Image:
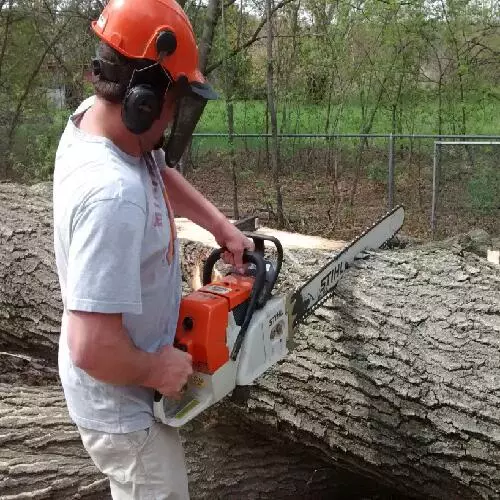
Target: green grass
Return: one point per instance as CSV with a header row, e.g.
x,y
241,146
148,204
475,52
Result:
x,y
483,189
250,117
37,137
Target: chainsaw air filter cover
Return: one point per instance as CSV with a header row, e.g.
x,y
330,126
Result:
x,y
203,321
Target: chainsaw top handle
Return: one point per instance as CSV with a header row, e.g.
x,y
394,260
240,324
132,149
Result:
x,y
258,287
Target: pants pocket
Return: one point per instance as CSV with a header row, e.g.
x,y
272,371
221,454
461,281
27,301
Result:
x,y
117,455
133,440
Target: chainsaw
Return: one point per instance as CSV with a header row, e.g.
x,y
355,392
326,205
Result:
x,y
235,328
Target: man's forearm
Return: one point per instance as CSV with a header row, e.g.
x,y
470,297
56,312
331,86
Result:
x,y
111,357
188,202
122,365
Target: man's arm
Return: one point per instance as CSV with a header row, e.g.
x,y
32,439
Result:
x,y
188,202
100,346
103,282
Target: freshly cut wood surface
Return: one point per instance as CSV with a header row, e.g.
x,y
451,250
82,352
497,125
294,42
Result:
x,y
190,231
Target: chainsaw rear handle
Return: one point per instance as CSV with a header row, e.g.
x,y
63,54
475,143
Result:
x,y
258,286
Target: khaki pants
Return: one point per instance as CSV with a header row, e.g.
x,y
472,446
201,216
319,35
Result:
x,y
142,465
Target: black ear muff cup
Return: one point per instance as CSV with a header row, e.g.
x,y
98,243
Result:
x,y
141,107
143,102
166,43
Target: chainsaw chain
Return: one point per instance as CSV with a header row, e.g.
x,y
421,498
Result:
x,y
310,311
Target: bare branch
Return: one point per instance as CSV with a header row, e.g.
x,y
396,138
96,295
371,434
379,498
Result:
x,y
251,40
29,84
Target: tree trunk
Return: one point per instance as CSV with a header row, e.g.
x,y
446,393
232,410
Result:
x,y
207,37
275,153
29,289
41,456
396,378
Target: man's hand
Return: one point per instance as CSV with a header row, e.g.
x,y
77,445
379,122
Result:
x,y
99,345
170,372
230,237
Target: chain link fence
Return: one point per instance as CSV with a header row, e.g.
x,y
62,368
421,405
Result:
x,y
334,185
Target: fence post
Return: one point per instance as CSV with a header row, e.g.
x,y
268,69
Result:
x,y
390,179
435,181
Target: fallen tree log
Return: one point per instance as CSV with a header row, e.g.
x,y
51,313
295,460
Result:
x,y
396,379
41,456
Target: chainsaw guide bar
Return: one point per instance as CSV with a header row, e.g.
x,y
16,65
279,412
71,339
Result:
x,y
312,294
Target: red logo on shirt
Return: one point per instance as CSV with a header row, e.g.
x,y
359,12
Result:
x,y
158,220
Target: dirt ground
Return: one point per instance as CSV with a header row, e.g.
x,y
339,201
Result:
x,y
316,203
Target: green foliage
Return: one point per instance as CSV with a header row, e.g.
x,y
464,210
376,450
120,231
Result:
x,y
35,146
377,172
402,67
250,117
43,48
484,189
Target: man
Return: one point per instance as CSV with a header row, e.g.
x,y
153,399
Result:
x,y
116,252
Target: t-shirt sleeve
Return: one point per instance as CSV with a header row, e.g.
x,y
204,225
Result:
x,y
104,261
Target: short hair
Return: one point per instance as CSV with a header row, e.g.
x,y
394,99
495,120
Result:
x,y
114,91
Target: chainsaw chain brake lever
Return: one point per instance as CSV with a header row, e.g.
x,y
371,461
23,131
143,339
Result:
x,y
258,286
274,269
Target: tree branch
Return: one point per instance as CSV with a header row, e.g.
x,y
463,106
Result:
x,y
28,86
251,40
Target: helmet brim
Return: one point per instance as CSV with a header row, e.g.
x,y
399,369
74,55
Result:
x,y
204,90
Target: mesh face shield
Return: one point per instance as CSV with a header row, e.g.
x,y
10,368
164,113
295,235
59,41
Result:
x,y
189,108
188,112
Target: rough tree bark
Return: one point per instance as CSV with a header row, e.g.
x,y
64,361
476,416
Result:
x,y
41,456
396,379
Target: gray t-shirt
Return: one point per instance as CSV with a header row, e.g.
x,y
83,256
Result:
x,y
111,234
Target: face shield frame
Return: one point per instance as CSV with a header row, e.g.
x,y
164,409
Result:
x,y
191,99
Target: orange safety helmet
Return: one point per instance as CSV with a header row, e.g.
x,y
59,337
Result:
x,y
158,30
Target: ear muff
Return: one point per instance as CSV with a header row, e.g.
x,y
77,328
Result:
x,y
141,107
166,43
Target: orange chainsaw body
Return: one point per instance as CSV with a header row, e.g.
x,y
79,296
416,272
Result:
x,y
203,321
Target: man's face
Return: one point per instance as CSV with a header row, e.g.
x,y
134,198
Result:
x,y
154,136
